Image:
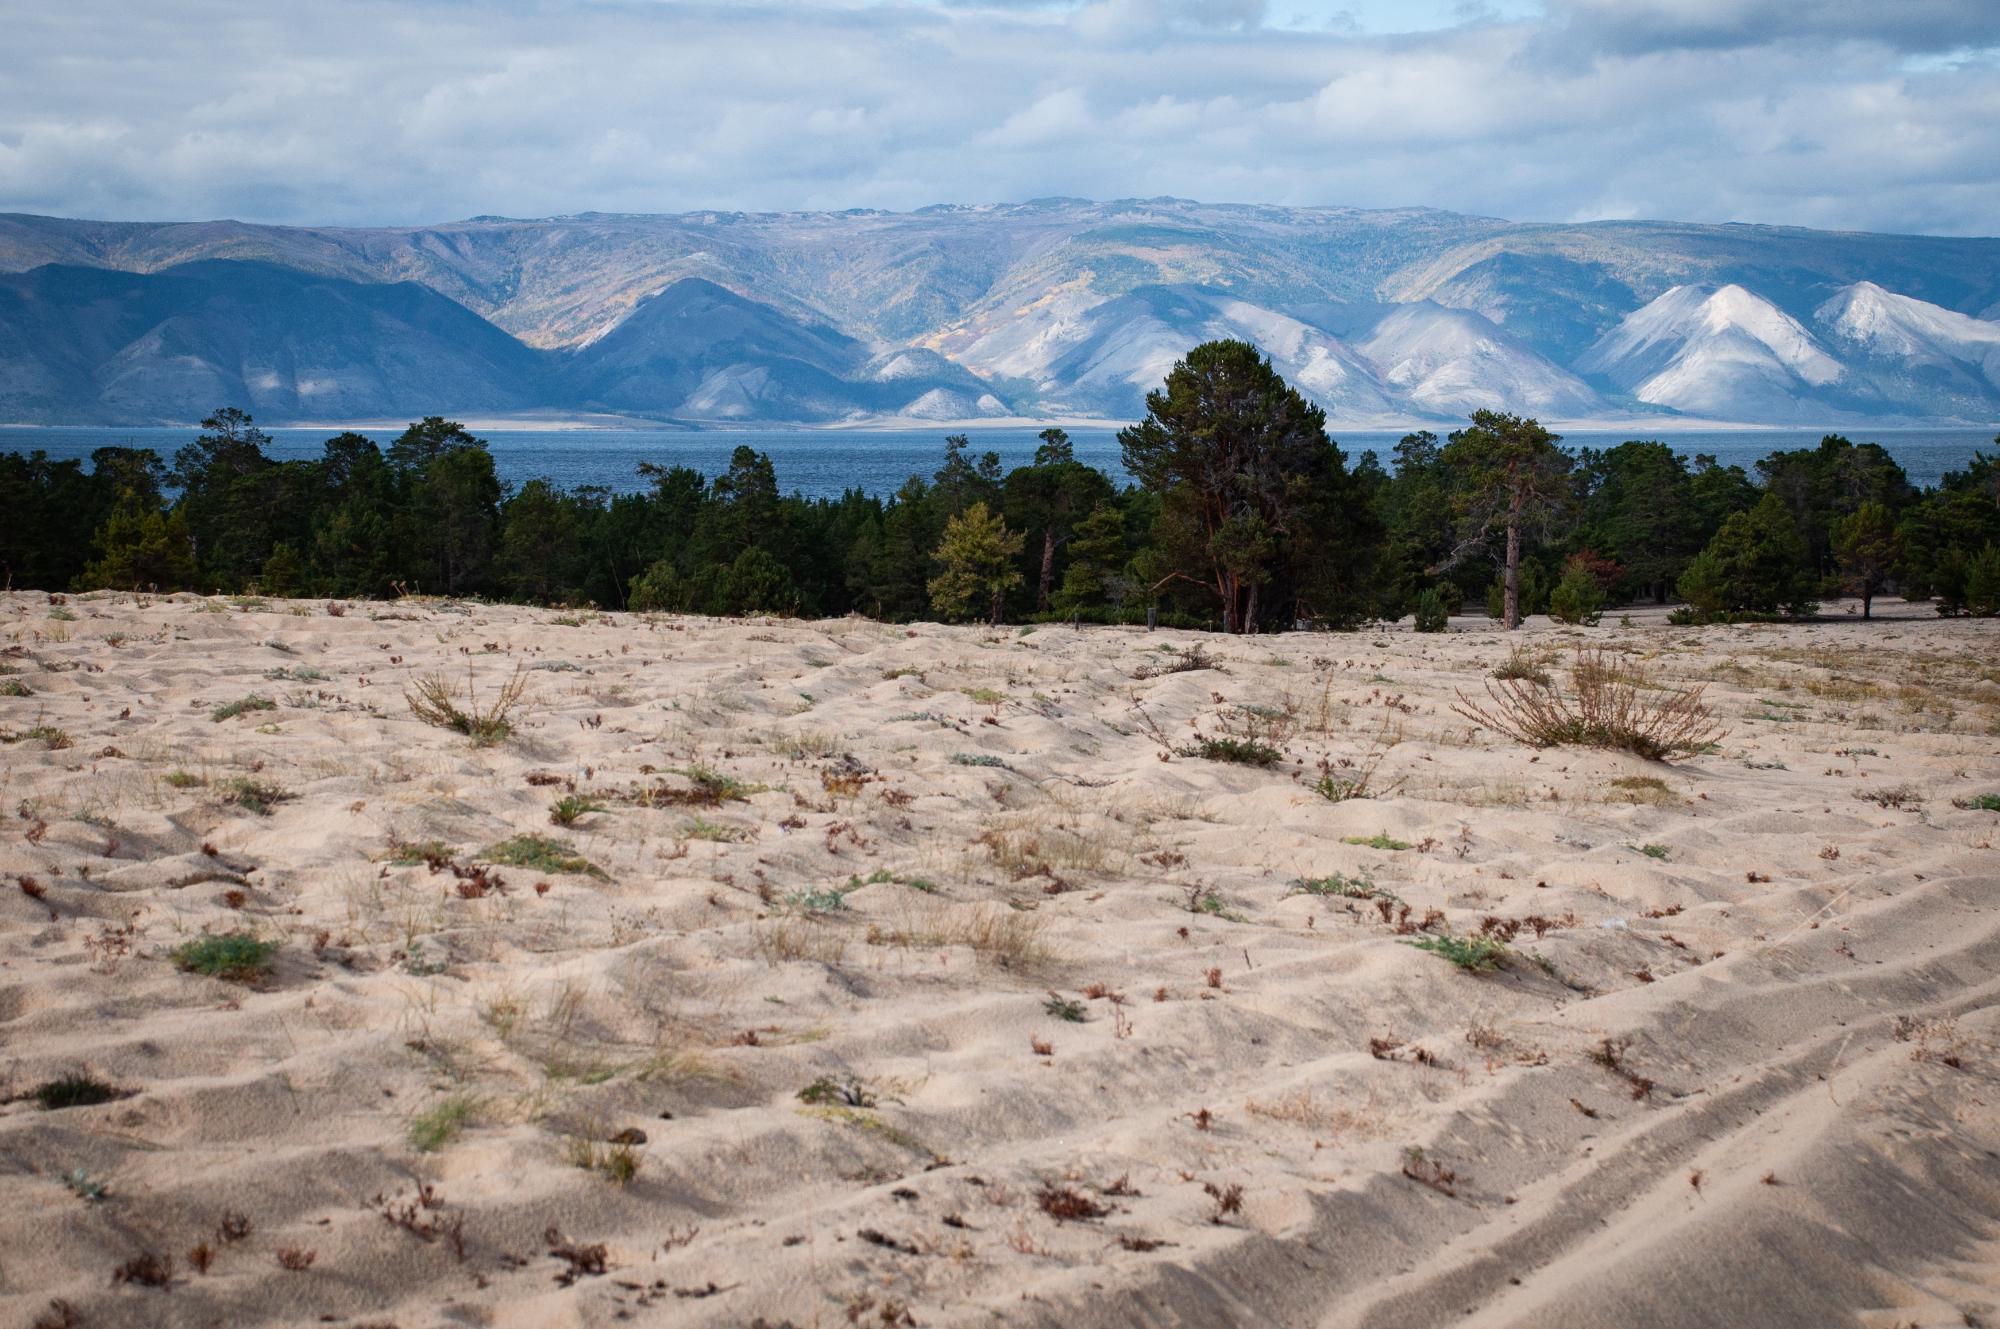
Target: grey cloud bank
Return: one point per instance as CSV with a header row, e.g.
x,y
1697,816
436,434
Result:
x,y
1838,115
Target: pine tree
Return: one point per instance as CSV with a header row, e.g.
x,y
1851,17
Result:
x,y
977,556
1514,481
1865,547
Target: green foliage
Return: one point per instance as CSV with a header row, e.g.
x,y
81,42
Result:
x,y
1063,1008
976,559
1245,515
1476,955
1432,615
1228,748
1095,578
571,808
242,705
141,548
1340,886
1981,597
405,853
825,1090
1379,840
1512,483
819,900
1577,599
1866,547
539,853
1524,665
239,957
1257,505
440,1124
1756,564
253,795
50,737
74,1089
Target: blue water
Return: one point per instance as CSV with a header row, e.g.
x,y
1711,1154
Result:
x,y
822,463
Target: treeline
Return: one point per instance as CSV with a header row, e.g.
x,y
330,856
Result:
x,y
1243,516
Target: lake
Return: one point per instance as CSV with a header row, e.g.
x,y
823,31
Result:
x,y
818,462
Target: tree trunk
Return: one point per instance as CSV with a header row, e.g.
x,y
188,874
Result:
x,y
997,601
1250,611
1048,568
1867,598
1511,606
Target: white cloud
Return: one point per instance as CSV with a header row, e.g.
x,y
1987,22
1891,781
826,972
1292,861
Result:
x,y
1871,116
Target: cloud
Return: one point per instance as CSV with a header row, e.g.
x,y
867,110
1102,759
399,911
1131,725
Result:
x,y
1905,25
1884,116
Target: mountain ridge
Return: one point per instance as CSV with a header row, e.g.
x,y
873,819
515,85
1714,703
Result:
x,y
1056,307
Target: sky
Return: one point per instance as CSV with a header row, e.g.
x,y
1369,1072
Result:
x,y
1846,114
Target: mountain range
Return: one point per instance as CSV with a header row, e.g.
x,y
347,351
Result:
x,y
1053,309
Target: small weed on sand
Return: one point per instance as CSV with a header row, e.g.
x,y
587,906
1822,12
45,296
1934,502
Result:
x,y
571,808
435,701
538,853
241,706
438,1125
1474,954
238,957
75,1089
258,796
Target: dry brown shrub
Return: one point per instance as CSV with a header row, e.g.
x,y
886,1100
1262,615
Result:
x,y
436,702
1611,704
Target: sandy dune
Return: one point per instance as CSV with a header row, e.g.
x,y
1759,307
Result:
x,y
1738,1068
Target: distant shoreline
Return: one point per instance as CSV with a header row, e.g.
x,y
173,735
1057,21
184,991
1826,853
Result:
x,y
908,425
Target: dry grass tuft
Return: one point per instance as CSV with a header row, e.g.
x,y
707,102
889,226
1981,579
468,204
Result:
x,y
436,702
1612,705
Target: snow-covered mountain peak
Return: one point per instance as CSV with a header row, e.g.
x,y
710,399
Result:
x,y
1884,323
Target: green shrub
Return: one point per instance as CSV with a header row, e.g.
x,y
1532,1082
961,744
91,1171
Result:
x,y
821,900
1063,1008
569,809
540,854
1576,598
1523,664
236,956
1432,615
258,796
438,1125
847,1093
1341,886
50,737
1237,751
1474,954
75,1089
230,710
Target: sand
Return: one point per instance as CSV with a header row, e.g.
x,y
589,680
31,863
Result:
x,y
1073,1048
